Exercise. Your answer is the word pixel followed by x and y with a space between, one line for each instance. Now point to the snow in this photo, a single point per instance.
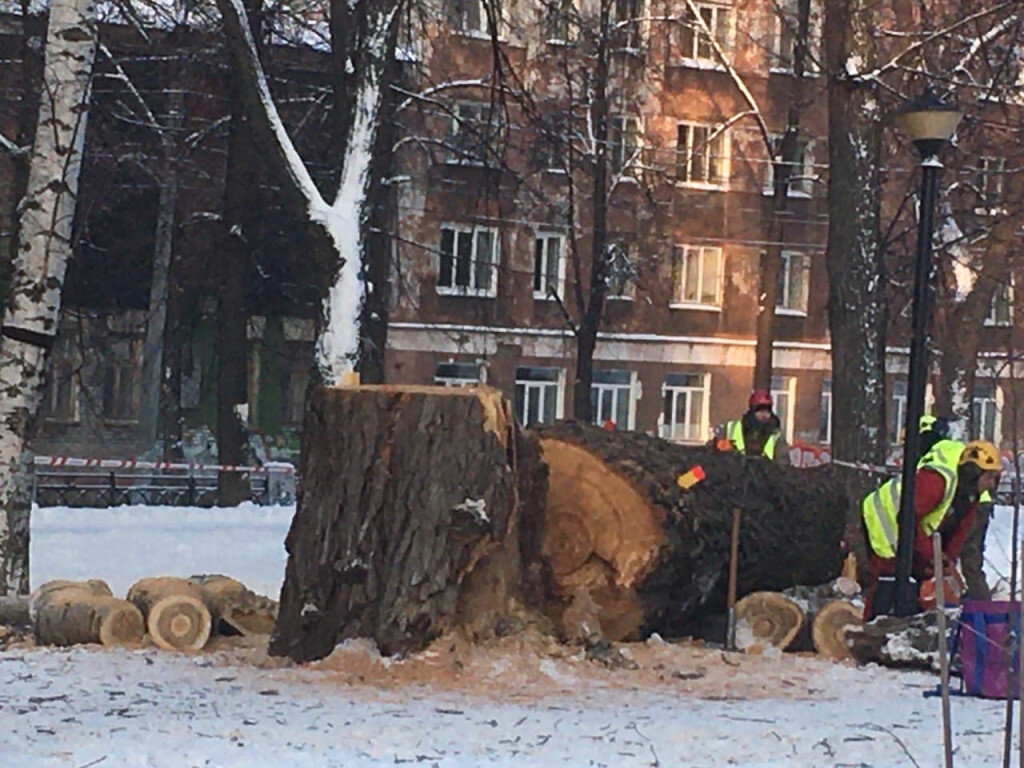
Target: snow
pixel 455 705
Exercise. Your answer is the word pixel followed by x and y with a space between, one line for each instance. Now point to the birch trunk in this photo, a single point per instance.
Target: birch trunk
pixel 857 308
pixel 32 314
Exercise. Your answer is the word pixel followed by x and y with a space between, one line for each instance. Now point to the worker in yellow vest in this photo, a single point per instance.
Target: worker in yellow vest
pixel 757 433
pixel 950 479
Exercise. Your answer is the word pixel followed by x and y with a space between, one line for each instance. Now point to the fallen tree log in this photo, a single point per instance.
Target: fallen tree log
pixel 831 625
pixel 415 507
pixel 177 612
pixel 654 557
pixel 767 620
pixel 71 613
pixel 893 641
pixel 14 611
pixel 240 610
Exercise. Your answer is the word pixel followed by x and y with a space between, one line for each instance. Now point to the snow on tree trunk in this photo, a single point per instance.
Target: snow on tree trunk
pixel 857 306
pixel 339 226
pixel 32 315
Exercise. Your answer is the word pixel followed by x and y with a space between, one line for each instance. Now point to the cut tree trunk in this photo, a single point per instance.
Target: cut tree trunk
pixel 767 620
pixel 831 624
pixel 240 610
pixel 177 612
pixel 73 612
pixel 415 504
pixel 14 611
pixel 653 557
pixel 910 641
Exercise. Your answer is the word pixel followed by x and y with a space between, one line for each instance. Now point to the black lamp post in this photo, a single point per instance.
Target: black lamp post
pixel 930 124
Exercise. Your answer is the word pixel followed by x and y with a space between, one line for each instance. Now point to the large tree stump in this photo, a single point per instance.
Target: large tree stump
pixel 654 557
pixel 70 613
pixel 177 612
pixel 414 505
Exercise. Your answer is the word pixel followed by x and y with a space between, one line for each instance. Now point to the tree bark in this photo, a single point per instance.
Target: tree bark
pixel 31 317
pixel 410 521
pixel 857 309
pixel 911 641
pixel 74 617
pixel 620 531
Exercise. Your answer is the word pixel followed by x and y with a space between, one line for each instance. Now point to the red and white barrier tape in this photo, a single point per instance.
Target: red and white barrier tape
pixel 70 461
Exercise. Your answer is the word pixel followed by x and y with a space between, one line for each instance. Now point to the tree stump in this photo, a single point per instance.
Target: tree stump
pixel 70 613
pixel 653 556
pixel 177 612
pixel 414 507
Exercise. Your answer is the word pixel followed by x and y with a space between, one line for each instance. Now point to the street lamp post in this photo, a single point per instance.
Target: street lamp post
pixel 930 123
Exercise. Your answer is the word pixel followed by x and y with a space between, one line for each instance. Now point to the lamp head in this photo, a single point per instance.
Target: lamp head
pixel 929 122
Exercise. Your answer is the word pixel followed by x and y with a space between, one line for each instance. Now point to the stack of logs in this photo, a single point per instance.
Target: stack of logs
pixel 175 613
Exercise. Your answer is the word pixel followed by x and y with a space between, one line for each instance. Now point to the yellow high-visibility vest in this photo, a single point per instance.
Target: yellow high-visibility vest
pixel 734 434
pixel 881 508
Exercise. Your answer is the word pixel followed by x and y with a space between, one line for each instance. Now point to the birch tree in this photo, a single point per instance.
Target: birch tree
pixel 31 317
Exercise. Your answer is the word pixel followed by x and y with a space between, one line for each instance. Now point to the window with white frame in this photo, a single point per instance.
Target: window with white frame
pixel 468 261
pixel 611 396
pixel 1000 310
pixel 701 154
pixel 627 24
pixel 621 272
pixel 697 276
pixel 453 374
pixel 793 283
pixel 801 169
pixel 786 26
pixel 897 410
pixel 685 407
pixel 825 419
pixel 989 181
pixel 476 133
pixel 698 33
pixel 783 400
pixel 471 16
pixel 548 266
pixel 624 144
pixel 561 20
pixel 538 395
pixel 986 405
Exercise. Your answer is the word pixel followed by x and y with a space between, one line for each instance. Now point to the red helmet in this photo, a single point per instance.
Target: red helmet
pixel 760 398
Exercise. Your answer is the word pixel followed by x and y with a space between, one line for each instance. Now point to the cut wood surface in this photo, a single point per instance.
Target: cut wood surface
pixel 830 625
pixel 177 612
pixel 71 616
pixel 910 641
pixel 767 620
pixel 653 556
pixel 240 610
pixel 414 510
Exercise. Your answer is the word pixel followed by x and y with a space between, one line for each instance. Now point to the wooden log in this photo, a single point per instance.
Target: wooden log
pixel 72 616
pixel 830 625
pixel 240 610
pixel 892 641
pixel 14 611
pixel 411 519
pixel 613 497
pixel 767 620
pixel 177 612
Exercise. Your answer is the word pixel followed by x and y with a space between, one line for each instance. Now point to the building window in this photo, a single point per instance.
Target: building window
pixel 468 257
pixel 61 400
pixel 476 134
pixel 552 130
pixel 621 272
pixel 825 419
pixel 802 174
pixel 561 18
pixel 471 16
pixel 611 398
pixel 457 374
pixel 897 410
pixel 697 278
pixel 695 42
pixel 548 266
pixel 627 24
pixel 685 410
pixel 793 283
pixel 786 33
pixel 624 142
pixel 295 397
pixel 1000 311
pixel 121 391
pixel 989 181
pixel 538 395
pixel 783 398
pixel 985 408
pixel 701 154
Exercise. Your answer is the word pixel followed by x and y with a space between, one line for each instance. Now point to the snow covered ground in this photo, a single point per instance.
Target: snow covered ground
pixel 452 707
